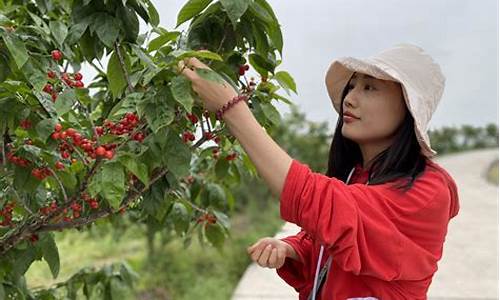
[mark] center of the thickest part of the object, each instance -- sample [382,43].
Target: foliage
[74,153]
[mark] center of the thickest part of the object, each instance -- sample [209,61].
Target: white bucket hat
[420,77]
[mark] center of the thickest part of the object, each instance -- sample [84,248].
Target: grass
[198,272]
[492,174]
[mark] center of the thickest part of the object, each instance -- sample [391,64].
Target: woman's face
[379,107]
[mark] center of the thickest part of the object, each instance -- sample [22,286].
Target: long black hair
[401,160]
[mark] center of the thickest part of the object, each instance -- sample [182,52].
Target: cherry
[100,151]
[48,88]
[139,136]
[231,156]
[78,76]
[78,84]
[193,118]
[34,238]
[55,135]
[25,124]
[54,97]
[65,155]
[217,140]
[208,135]
[56,55]
[59,165]
[58,127]
[109,154]
[51,74]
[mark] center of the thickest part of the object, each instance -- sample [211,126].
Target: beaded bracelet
[228,105]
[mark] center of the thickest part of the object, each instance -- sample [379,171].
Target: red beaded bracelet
[228,105]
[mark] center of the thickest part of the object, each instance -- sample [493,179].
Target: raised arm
[271,161]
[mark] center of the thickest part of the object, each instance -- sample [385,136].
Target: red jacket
[385,243]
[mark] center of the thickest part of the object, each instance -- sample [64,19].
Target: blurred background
[462,36]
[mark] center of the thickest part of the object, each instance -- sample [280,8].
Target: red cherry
[48,88]
[208,135]
[51,74]
[217,140]
[34,238]
[78,84]
[241,71]
[109,154]
[78,76]
[54,97]
[94,204]
[100,151]
[59,165]
[139,136]
[58,127]
[246,67]
[55,135]
[70,132]
[56,55]
[65,155]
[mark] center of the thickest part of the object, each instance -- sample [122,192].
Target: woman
[375,225]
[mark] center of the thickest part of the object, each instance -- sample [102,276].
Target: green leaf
[215,235]
[154,18]
[286,81]
[45,128]
[4,67]
[158,115]
[65,101]
[116,78]
[177,155]
[210,75]
[181,90]
[221,167]
[138,168]
[216,194]
[118,289]
[130,22]
[107,28]
[180,217]
[235,9]
[271,113]
[16,48]
[191,9]
[161,40]
[261,64]
[223,219]
[276,36]
[51,254]
[75,32]
[59,31]
[198,54]
[113,183]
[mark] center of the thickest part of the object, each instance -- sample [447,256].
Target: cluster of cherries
[6,214]
[125,126]
[71,80]
[19,161]
[41,173]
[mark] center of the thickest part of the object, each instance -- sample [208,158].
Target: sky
[461,36]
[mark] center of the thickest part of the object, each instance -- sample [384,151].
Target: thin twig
[123,67]
[60,183]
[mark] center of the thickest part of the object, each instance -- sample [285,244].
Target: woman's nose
[350,98]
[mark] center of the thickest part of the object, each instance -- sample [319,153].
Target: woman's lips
[349,119]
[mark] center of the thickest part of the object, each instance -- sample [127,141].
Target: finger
[252,248]
[186,71]
[280,257]
[273,258]
[258,251]
[195,62]
[264,257]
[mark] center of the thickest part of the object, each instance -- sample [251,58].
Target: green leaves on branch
[191,9]
[286,81]
[116,77]
[235,9]
[110,183]
[16,48]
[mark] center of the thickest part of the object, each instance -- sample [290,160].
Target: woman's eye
[369,87]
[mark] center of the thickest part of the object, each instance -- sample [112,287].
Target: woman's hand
[271,252]
[213,94]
